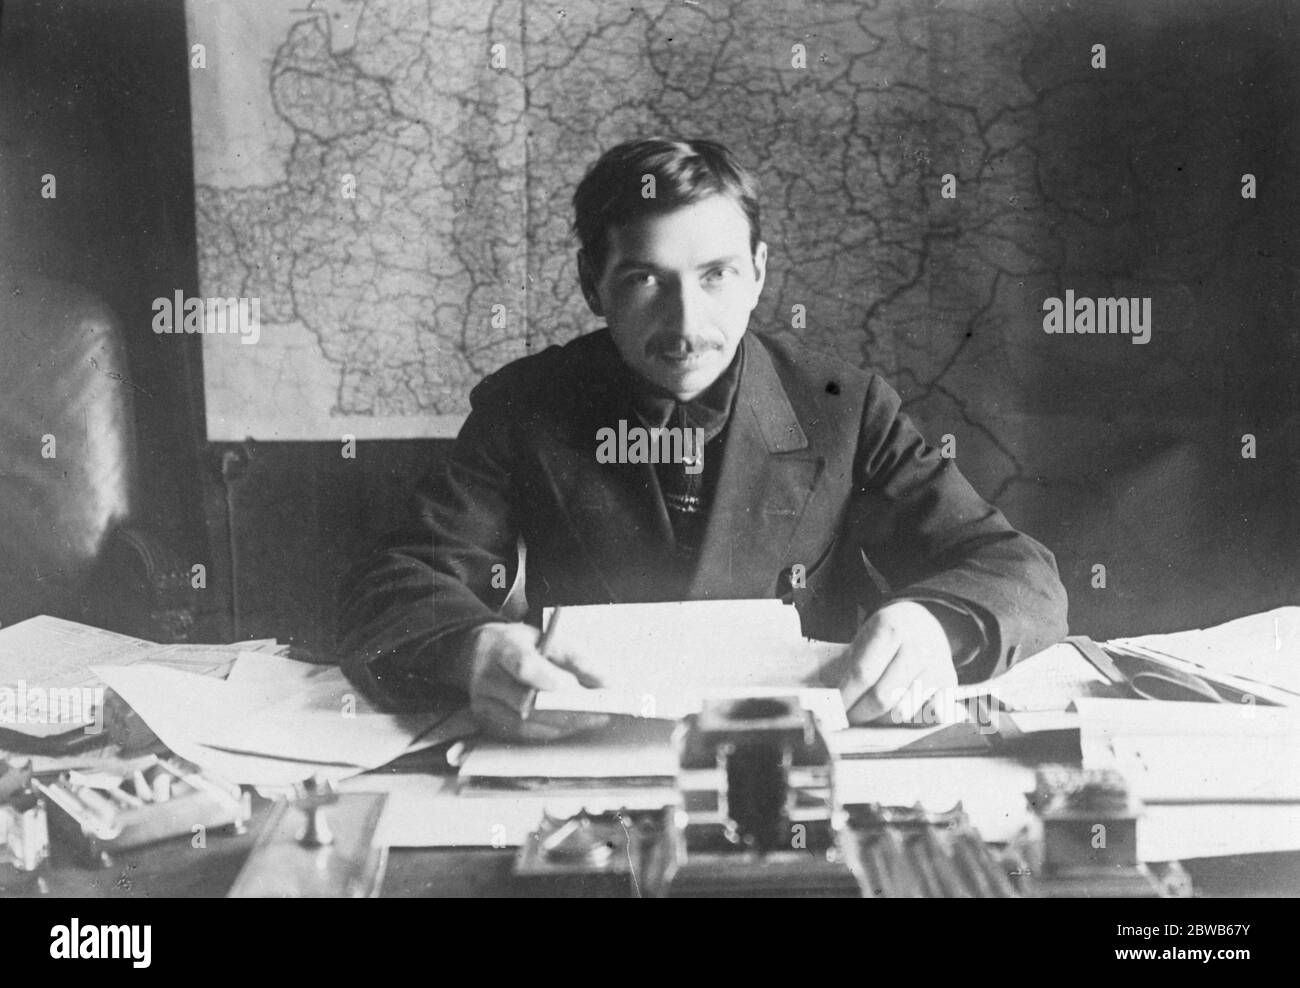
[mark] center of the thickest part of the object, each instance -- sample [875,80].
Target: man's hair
[612,192]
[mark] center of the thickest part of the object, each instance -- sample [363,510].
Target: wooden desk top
[174,869]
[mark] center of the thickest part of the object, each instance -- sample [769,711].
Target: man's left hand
[899,660]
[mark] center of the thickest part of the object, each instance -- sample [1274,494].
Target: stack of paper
[273,722]
[1215,778]
[427,811]
[1257,656]
[628,751]
[45,663]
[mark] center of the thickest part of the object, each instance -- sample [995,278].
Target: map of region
[359,169]
[392,179]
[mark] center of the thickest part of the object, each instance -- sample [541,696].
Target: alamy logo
[77,942]
[69,705]
[242,316]
[658,445]
[1100,316]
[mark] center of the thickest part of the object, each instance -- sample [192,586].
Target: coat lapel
[767,477]
[614,511]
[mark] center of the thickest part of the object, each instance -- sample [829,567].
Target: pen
[543,644]
[548,635]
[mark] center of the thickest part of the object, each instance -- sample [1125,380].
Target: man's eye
[719,274]
[641,279]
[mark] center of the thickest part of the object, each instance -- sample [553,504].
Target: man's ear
[587,279]
[760,269]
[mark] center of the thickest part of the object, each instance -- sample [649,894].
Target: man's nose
[688,309]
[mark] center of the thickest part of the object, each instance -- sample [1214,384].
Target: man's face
[677,291]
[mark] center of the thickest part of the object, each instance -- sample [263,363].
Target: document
[180,708]
[628,750]
[54,653]
[1195,752]
[1048,680]
[1181,831]
[1257,655]
[268,727]
[1103,718]
[46,666]
[426,811]
[1252,659]
[662,660]
[1206,770]
[827,705]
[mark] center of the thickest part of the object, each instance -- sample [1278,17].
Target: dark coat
[819,468]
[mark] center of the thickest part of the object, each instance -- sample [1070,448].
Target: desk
[173,869]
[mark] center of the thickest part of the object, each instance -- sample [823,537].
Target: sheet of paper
[210,660]
[52,652]
[1260,648]
[627,748]
[1048,680]
[266,667]
[1137,717]
[202,660]
[1206,770]
[1194,752]
[46,654]
[269,645]
[325,719]
[425,810]
[874,742]
[178,706]
[1179,832]
[1041,721]
[827,705]
[664,650]
[252,733]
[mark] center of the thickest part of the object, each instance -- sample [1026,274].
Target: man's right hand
[507,668]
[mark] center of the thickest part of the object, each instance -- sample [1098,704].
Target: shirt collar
[708,410]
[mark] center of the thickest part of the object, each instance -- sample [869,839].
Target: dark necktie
[687,488]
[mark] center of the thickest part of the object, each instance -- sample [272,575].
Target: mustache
[665,344]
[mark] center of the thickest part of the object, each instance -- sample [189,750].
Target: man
[790,475]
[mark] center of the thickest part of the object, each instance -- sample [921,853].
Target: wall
[1122,181]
